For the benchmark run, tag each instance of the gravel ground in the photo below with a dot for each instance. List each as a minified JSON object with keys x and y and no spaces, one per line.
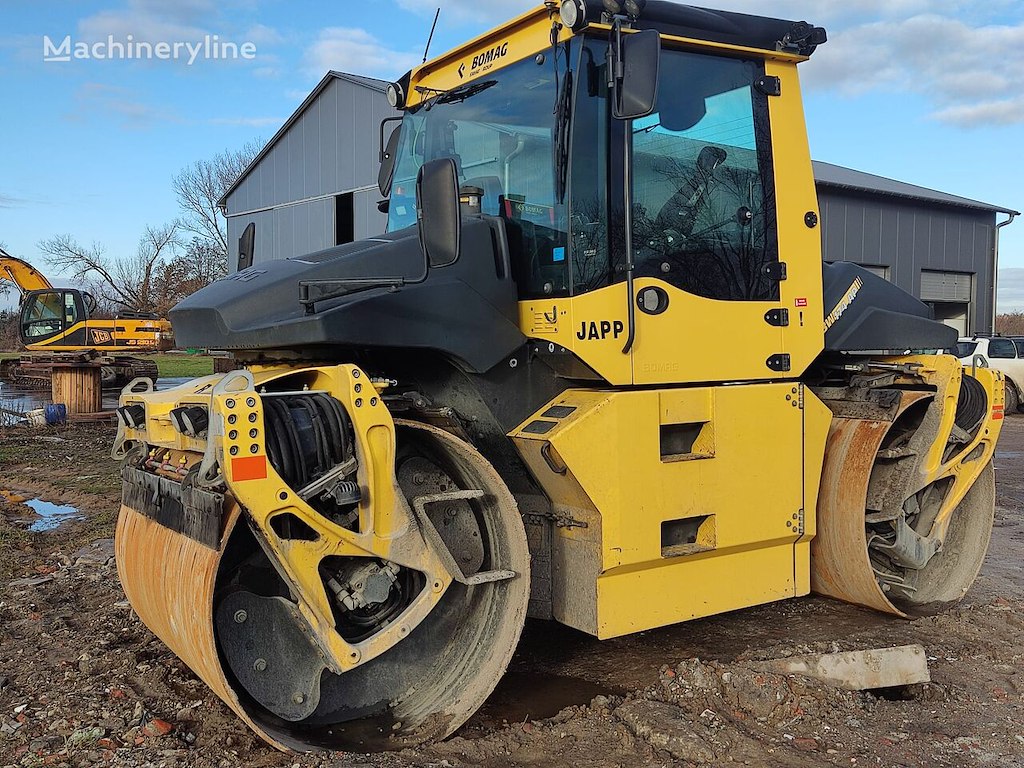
{"x":83,"y":682}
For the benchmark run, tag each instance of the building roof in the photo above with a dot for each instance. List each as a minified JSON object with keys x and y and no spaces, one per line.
{"x":365,"y":82}
{"x":836,"y":176}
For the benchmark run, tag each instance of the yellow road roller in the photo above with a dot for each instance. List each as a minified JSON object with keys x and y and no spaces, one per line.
{"x":595,"y":372}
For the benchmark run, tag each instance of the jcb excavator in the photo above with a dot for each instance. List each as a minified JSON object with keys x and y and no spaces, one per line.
{"x":595,"y":372}
{"x":58,"y":320}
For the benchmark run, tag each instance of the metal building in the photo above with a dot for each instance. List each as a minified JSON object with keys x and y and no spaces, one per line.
{"x":939,"y":247}
{"x":315,"y":185}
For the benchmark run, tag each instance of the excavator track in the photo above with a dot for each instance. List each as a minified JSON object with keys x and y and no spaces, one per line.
{"x":31,"y":371}
{"x":205,"y":577}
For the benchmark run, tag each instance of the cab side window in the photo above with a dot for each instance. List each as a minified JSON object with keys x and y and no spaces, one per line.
{"x":70,"y":309}
{"x":704,"y":207}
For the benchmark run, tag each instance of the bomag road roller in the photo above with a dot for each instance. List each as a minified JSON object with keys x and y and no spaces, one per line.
{"x":594,"y":372}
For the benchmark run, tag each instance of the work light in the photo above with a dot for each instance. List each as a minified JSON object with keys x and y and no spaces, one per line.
{"x":395,"y":95}
{"x":574,"y":14}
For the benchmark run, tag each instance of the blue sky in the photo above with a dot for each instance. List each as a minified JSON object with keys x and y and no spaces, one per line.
{"x":926,"y":91}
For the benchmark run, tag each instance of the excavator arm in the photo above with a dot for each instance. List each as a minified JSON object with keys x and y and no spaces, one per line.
{"x":21,"y":273}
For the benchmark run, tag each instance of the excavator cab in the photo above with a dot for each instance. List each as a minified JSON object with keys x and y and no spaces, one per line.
{"x":48,"y":313}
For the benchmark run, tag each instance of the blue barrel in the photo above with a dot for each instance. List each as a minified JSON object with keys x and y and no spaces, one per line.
{"x":56,"y":413}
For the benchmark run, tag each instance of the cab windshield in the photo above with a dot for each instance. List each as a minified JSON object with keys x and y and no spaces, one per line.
{"x":539,"y":140}
{"x":499,"y":131}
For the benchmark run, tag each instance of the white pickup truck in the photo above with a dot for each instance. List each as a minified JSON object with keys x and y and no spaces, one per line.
{"x":1003,"y":353}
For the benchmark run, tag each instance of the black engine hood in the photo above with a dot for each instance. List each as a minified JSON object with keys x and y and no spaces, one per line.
{"x":866,"y":312}
{"x":466,"y":311}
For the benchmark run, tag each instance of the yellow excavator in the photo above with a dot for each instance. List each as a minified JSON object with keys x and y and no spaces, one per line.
{"x":57,"y":321}
{"x":595,"y":372}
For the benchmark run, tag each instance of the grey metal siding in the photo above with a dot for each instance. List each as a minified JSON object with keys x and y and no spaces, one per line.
{"x":910,"y":237}
{"x":288,"y":230}
{"x":330,"y":149}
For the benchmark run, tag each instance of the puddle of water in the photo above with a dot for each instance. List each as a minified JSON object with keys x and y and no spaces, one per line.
{"x":51,"y":515}
{"x":14,"y":402}
{"x":525,"y":695}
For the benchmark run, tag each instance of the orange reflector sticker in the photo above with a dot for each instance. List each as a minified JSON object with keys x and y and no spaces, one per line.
{"x":997,"y":412}
{"x":249,"y":468}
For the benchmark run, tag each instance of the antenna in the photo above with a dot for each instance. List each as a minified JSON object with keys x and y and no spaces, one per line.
{"x":431,"y":38}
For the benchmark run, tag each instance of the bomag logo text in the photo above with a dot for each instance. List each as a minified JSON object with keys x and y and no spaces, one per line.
{"x":489,"y":56}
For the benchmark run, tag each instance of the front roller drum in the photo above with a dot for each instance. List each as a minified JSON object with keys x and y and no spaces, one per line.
{"x":422,"y":688}
{"x":841,"y":565}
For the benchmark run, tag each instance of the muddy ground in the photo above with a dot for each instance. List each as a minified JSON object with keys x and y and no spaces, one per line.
{"x":83,"y":682}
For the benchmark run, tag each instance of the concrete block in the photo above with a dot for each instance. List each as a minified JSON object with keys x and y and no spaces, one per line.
{"x":860,"y":670}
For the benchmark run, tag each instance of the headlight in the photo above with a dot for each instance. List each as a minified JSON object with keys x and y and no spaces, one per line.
{"x":395,"y":95}
{"x":574,"y":14}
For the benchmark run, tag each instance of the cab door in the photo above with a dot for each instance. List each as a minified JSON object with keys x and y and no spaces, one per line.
{"x":713,"y":299}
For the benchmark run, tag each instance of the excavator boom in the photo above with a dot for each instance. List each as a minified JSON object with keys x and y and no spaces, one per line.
{"x":22,"y":274}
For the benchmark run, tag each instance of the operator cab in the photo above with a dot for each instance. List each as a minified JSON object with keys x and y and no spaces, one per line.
{"x":48,"y":313}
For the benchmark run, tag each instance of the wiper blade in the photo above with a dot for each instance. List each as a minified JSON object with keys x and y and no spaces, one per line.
{"x":563,"y":110}
{"x":459,"y":93}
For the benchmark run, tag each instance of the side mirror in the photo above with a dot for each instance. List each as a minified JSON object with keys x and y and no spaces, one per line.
{"x":636,"y":78}
{"x":387,"y":160}
{"x":438,"y":213}
{"x":247,"y":247}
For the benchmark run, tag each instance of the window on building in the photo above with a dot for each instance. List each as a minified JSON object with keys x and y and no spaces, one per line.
{"x":344,"y":219}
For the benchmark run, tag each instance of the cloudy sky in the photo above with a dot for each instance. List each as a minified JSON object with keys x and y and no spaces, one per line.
{"x":926,"y":91}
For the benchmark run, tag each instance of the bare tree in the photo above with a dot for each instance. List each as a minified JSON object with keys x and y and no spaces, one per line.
{"x":197,"y":267}
{"x":130,"y":282}
{"x":6,"y":286}
{"x":200,"y":185}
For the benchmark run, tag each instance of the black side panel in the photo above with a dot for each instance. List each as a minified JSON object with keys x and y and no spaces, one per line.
{"x":864,"y":312}
{"x":467,"y":311}
{"x":705,"y":24}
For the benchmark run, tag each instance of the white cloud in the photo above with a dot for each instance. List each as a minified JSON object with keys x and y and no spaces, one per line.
{"x":9,"y":201}
{"x":142,"y":25}
{"x":156,"y":21}
{"x":350,"y":49}
{"x":1001,"y":112}
{"x":100,"y":100}
{"x":968,"y":74}
{"x":962,"y":56}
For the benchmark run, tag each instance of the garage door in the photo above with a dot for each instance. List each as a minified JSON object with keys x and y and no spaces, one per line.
{"x":953,"y":314}
{"x":946,"y":286}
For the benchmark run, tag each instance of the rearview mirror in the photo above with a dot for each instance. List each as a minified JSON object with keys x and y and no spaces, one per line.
{"x":247,"y":247}
{"x":636,"y":82}
{"x":438,"y":213}
{"x":387,"y":161}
